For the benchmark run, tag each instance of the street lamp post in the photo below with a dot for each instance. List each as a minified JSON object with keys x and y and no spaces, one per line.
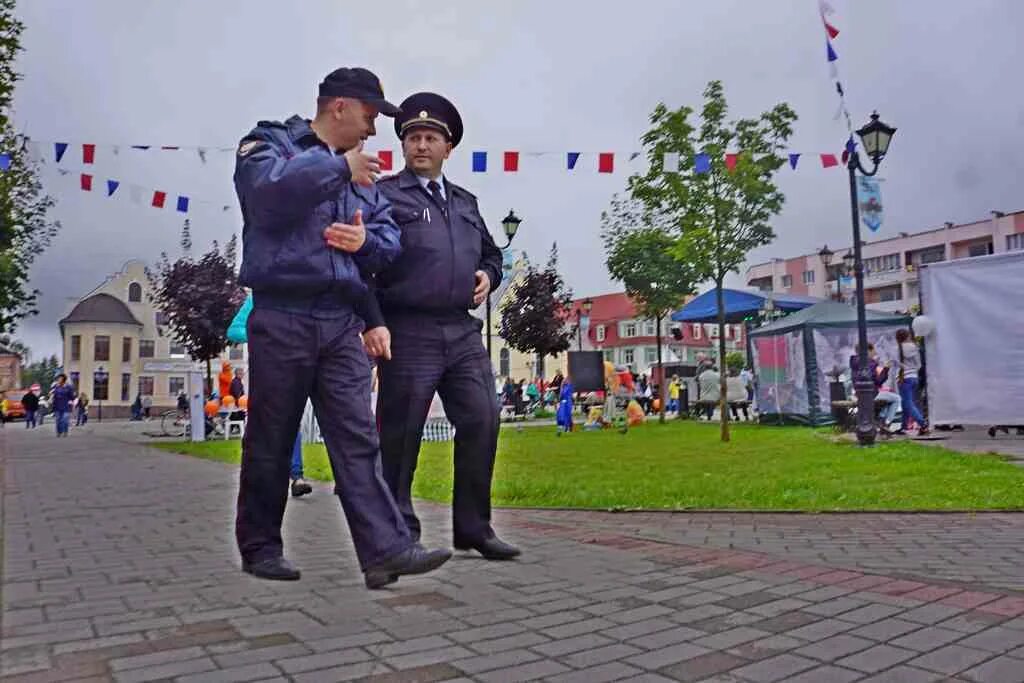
{"x":876,"y":137}
{"x":582,"y":315}
{"x":99,"y":377}
{"x":510,"y":224}
{"x":826,"y":255}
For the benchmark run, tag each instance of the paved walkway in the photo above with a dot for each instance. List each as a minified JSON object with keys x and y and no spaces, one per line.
{"x":119,"y":564}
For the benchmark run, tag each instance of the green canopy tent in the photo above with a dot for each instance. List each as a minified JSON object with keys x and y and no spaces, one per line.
{"x":794,"y":358}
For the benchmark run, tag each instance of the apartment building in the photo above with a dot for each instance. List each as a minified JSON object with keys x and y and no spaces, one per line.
{"x":891,"y":265}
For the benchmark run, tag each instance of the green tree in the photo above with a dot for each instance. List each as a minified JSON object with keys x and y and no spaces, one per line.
{"x":638,"y":252}
{"x":41,"y":372}
{"x":735,"y":360}
{"x":25,"y":229}
{"x":718,"y":216}
{"x":533,"y":318}
{"x":200,"y":298}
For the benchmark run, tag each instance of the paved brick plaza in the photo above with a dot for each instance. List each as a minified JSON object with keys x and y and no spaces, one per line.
{"x":119,"y":564}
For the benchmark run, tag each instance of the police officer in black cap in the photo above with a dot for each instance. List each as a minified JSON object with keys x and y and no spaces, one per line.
{"x":315,"y":227}
{"x":422,"y":329}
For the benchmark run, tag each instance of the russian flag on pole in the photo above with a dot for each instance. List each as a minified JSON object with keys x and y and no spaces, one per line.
{"x":479,"y":162}
{"x":605,"y":162}
{"x":158,"y":199}
{"x":511,"y":162}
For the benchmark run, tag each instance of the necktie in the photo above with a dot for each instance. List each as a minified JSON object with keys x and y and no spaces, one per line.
{"x":435,"y":192}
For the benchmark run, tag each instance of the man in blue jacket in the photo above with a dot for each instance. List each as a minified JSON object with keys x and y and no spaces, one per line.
{"x":300,"y":184}
{"x":418,"y":323}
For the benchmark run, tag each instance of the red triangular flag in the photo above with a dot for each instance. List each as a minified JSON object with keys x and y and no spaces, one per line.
{"x":828,"y":160}
{"x":511,"y":161}
{"x":730,"y":161}
{"x":605,"y":162}
{"x":158,"y":199}
{"x":87,"y":182}
{"x":832,"y":30}
{"x":88,"y":153}
{"x":386,"y":160}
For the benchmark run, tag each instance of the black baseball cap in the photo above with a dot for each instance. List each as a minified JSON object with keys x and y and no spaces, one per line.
{"x":358,"y":83}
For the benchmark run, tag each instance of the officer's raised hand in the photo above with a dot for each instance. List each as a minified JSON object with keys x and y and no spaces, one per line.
{"x":363,"y":167}
{"x":378,"y":342}
{"x":483,"y":287}
{"x":345,"y":236}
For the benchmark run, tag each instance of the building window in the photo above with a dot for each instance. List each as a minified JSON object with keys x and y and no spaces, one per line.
{"x":1015,"y":242}
{"x":808,"y":277}
{"x":101,"y":387}
{"x":931,"y":255}
{"x":102,"y":349}
{"x":126,"y":349}
{"x":627,"y":329}
{"x":696,"y":331}
{"x":161,"y":318}
{"x":650,"y":328}
{"x":126,"y":386}
{"x":609,"y":355}
{"x":713,"y":331}
{"x":74,"y":380}
{"x":982,"y":249}
{"x":599,"y":333}
{"x":882,"y":264}
{"x":628,"y":356}
{"x":146,"y":386}
{"x":787,"y":281}
{"x":762,"y":283}
{"x":177,"y":350}
{"x":76,"y":347}
{"x":504,"y":362}
{"x":175,"y":385}
{"x":651,"y":355}
{"x":894,"y":293}
{"x":146,"y":348}
{"x":135,"y":292}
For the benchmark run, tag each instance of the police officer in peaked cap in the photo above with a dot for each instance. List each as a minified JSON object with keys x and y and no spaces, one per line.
{"x":418,"y":324}
{"x":314,"y":227}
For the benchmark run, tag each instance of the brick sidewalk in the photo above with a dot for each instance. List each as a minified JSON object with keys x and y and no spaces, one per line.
{"x":119,"y":564}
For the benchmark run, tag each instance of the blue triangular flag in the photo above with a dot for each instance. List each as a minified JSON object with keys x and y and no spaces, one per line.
{"x":5,"y":162}
{"x":60,"y":147}
{"x":112,"y":187}
{"x":182,"y":204}
{"x":832,"y":56}
{"x":573,"y":157}
{"x":479,"y":162}
{"x":793,"y":158}
{"x":851,"y":146}
{"x":702,"y":163}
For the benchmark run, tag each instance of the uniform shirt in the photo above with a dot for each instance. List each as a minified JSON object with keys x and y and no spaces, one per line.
{"x":442,"y":248}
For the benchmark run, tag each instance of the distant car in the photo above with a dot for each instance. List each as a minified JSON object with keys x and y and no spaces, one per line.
{"x":15,"y":411}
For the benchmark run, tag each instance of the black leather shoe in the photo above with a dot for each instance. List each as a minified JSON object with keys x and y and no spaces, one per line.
{"x":300,"y":489}
{"x":275,"y":569}
{"x":492,"y":548}
{"x":413,"y":560}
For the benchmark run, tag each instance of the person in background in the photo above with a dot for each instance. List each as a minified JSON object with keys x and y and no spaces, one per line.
{"x":299,"y":486}
{"x":710,"y":390}
{"x":147,"y":405}
{"x":747,"y":378}
{"x":736,"y":396}
{"x":62,"y":396}
{"x":563,"y":416}
{"x":909,"y":374}
{"x":82,"y":410}
{"x":673,"y":395}
{"x":237,"y":388}
{"x":31,"y":403}
{"x":137,"y":408}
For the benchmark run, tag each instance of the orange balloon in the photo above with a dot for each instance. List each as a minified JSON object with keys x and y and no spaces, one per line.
{"x":228,"y":401}
{"x":243,"y":402}
{"x":212,"y":408}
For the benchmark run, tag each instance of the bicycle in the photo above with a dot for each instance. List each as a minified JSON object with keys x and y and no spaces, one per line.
{"x":175,"y":423}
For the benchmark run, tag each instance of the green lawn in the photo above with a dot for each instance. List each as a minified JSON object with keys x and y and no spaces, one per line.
{"x":683,"y":465}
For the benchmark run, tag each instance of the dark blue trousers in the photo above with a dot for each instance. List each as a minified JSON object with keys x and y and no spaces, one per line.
{"x":446,"y":356}
{"x":291,"y":357}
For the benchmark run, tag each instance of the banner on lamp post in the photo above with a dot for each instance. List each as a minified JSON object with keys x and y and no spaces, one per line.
{"x":869,"y":199}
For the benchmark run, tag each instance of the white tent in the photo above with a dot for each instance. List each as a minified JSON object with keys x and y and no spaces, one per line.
{"x":975,"y":356}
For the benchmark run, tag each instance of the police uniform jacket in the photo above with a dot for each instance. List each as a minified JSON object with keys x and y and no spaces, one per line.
{"x":442,"y":248}
{"x":291,"y":186}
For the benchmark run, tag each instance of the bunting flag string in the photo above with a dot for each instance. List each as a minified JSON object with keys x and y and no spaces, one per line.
{"x":138,"y":194}
{"x":825,"y":10}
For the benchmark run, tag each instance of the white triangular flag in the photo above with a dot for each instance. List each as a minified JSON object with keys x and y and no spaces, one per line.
{"x":825,"y":8}
{"x":833,"y":72}
{"x":670,"y":162}
{"x":135,"y":193}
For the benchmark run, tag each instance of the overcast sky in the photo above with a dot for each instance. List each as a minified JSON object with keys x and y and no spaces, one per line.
{"x":533,"y":75}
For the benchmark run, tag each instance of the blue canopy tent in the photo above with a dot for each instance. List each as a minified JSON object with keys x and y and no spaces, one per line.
{"x":739,"y":305}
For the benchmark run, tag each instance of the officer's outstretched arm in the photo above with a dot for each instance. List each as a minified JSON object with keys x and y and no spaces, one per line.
{"x":383,"y":243}
{"x":270,"y":183}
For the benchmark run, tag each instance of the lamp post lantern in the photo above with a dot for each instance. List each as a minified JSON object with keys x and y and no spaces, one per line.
{"x":875,"y":137}
{"x":99,"y":378}
{"x":510,"y":224}
{"x":582,"y":316}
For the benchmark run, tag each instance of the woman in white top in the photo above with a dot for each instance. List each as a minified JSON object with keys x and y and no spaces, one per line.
{"x":910,"y":367}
